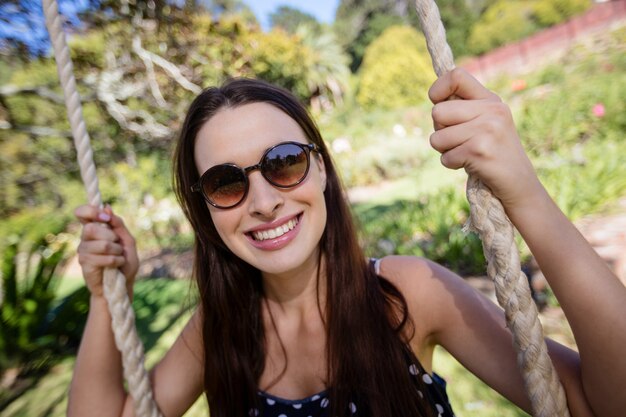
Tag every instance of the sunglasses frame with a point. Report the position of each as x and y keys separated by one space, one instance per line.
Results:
x=306 y=147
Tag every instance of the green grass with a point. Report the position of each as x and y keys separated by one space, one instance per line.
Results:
x=428 y=179
x=468 y=395
x=162 y=307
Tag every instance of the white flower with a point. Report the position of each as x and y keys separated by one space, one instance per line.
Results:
x=341 y=145
x=399 y=130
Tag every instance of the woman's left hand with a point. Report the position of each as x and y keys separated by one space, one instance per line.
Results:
x=475 y=130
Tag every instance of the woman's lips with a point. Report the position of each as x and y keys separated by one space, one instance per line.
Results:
x=277 y=237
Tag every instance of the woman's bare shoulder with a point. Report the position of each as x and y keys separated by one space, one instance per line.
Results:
x=413 y=276
x=425 y=286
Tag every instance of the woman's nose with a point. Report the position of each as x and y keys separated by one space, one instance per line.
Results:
x=263 y=198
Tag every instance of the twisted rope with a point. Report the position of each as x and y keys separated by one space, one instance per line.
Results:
x=122 y=314
x=488 y=219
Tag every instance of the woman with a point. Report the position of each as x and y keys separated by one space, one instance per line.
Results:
x=293 y=319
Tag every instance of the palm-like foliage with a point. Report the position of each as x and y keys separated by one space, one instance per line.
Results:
x=328 y=72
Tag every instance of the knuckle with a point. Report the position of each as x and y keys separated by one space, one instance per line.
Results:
x=111 y=261
x=491 y=125
x=456 y=75
x=431 y=95
x=436 y=112
x=481 y=148
x=496 y=98
x=84 y=233
x=501 y=110
x=89 y=230
x=446 y=160
x=437 y=142
x=433 y=140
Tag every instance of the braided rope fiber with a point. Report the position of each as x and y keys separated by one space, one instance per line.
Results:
x=488 y=219
x=122 y=314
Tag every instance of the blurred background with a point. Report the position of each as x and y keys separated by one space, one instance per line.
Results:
x=362 y=68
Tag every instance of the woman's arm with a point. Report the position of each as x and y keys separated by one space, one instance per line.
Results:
x=591 y=296
x=477 y=133
x=447 y=311
x=97 y=385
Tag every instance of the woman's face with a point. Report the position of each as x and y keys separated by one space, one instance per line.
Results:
x=255 y=229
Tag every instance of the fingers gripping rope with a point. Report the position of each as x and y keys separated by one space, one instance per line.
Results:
x=123 y=316
x=488 y=219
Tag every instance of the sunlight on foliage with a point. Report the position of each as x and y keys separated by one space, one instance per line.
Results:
x=396 y=70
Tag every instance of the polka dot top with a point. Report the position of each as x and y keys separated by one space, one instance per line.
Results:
x=318 y=405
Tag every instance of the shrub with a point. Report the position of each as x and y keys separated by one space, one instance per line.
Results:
x=281 y=59
x=430 y=227
x=31 y=252
x=506 y=21
x=89 y=50
x=560 y=114
x=396 y=70
x=585 y=179
x=141 y=193
x=551 y=12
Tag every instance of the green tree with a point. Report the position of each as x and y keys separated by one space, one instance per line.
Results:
x=396 y=70
x=327 y=73
x=376 y=25
x=551 y=12
x=510 y=20
x=359 y=22
x=502 y=22
x=290 y=18
x=136 y=82
x=458 y=19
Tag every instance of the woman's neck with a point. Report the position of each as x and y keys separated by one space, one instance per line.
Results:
x=297 y=291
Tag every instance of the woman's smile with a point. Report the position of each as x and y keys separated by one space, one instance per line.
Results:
x=275 y=235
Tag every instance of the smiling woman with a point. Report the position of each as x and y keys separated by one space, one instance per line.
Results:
x=297 y=284
x=293 y=319
x=293 y=316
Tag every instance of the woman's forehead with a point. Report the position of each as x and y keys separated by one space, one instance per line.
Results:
x=241 y=134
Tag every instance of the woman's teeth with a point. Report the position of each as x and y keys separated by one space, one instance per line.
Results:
x=274 y=233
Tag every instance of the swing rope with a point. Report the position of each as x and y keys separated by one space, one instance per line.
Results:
x=488 y=219
x=122 y=314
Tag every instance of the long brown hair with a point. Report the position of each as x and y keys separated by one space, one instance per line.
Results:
x=365 y=316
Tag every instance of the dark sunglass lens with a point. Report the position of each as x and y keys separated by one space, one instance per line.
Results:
x=285 y=165
x=224 y=185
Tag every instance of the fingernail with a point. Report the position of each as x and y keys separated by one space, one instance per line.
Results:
x=104 y=217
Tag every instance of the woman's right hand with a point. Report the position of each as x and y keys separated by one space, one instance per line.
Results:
x=105 y=243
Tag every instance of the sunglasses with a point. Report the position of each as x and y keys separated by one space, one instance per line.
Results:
x=284 y=165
